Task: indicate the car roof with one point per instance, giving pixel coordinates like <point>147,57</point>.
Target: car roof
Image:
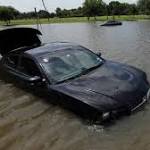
<point>50,47</point>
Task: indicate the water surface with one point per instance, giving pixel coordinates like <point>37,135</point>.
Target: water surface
<point>28,122</point>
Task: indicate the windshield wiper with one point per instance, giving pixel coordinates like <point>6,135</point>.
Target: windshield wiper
<point>71,78</point>
<point>85,71</point>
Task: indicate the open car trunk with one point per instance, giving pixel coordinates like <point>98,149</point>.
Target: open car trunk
<point>14,38</point>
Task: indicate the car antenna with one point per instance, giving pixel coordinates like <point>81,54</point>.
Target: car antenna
<point>37,20</point>
<point>45,8</point>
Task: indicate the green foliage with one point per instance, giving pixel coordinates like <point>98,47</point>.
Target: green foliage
<point>58,12</point>
<point>69,13</point>
<point>90,8</point>
<point>44,14</point>
<point>144,6</point>
<point>93,8</point>
<point>7,14</point>
<point>117,8</point>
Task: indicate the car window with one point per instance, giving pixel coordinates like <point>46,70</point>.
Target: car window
<point>29,67</point>
<point>12,61</point>
<point>69,63</point>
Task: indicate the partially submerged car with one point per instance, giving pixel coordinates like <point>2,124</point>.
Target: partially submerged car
<point>112,23</point>
<point>80,79</point>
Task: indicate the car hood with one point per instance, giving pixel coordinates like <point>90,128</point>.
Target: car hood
<point>14,38</point>
<point>109,86</point>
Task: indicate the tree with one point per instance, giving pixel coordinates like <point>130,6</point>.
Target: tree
<point>144,6</point>
<point>92,8</point>
<point>5,15</point>
<point>133,10</point>
<point>58,12</point>
<point>43,14</point>
<point>76,12</point>
<point>8,13</point>
<point>14,12</point>
<point>115,8</point>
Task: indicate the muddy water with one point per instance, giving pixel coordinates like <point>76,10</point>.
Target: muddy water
<point>28,122</point>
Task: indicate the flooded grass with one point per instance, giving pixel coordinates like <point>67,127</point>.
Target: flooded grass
<point>76,19</point>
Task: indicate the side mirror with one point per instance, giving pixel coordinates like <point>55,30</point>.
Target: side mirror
<point>35,79</point>
<point>99,54</point>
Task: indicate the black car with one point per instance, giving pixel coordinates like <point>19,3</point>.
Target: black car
<point>75,76</point>
<point>112,23</point>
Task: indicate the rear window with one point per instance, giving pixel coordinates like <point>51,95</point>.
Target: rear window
<point>12,60</point>
<point>28,67</point>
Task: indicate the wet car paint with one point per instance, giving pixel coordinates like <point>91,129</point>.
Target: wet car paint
<point>110,87</point>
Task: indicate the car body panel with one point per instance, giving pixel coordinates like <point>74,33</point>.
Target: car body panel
<point>123,87</point>
<point>14,38</point>
<point>112,23</point>
<point>111,86</point>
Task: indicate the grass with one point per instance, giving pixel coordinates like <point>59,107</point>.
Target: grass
<point>76,19</point>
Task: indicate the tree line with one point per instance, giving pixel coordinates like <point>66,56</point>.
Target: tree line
<point>90,8</point>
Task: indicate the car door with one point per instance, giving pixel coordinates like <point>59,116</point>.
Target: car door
<point>21,68</point>
<point>29,69</point>
<point>8,67</point>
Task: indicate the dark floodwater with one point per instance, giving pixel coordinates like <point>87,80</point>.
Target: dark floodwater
<point>29,123</point>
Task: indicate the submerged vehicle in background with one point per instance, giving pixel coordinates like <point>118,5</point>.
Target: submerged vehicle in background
<point>112,23</point>
<point>78,78</point>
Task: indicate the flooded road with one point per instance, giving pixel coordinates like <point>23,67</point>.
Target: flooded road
<point>28,122</point>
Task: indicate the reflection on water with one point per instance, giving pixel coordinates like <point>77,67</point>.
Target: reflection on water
<point>28,122</point>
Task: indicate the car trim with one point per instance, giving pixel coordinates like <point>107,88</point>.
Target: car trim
<point>148,94</point>
<point>139,105</point>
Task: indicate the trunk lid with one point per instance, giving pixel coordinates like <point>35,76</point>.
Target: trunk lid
<point>14,38</point>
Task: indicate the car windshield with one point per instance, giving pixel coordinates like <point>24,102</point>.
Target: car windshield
<point>63,65</point>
